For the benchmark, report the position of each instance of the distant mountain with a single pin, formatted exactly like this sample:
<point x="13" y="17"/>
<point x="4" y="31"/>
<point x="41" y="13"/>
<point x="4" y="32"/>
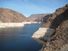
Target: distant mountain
<point x="36" y="17"/>
<point x="8" y="15"/>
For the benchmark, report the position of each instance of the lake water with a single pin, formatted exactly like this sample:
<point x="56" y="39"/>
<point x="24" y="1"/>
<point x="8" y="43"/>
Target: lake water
<point x="19" y="39"/>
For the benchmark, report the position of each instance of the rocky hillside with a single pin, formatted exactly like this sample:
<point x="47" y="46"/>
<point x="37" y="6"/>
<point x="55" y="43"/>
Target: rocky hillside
<point x="59" y="39"/>
<point x="8" y="15"/>
<point x="58" y="13"/>
<point x="36" y="17"/>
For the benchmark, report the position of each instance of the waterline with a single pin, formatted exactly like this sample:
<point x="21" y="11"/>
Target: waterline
<point x="5" y="25"/>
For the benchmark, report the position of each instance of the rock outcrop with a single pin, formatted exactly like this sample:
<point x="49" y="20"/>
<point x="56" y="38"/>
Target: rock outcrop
<point x="8" y="15"/>
<point x="59" y="39"/>
<point x="55" y="29"/>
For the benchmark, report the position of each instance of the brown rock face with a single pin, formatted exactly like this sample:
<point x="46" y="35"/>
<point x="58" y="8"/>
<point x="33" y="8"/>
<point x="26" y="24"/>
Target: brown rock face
<point x="8" y="15"/>
<point x="59" y="40"/>
<point x="56" y="18"/>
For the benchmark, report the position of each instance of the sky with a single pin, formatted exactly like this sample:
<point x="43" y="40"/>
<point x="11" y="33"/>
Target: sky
<point x="28" y="7"/>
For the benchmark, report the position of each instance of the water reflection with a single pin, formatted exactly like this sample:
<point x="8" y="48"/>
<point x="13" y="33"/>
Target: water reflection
<point x="19" y="39"/>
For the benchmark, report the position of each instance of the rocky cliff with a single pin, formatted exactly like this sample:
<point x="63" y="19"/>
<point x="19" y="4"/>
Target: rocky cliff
<point x="58" y="13"/>
<point x="8" y="15"/>
<point x="59" y="22"/>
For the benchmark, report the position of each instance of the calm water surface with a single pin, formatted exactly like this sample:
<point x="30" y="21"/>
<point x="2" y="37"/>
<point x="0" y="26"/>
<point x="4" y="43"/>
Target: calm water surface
<point x="19" y="39"/>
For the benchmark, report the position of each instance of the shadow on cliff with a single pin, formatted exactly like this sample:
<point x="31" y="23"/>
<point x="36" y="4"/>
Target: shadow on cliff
<point x="59" y="19"/>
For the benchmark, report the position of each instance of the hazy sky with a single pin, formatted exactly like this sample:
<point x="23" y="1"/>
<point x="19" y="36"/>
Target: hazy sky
<point x="28" y="7"/>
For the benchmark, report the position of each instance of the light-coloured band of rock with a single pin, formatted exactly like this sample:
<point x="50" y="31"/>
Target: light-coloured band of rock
<point x="5" y="25"/>
<point x="43" y="33"/>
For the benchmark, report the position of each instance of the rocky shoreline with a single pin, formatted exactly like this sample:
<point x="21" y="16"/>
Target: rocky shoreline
<point x="58" y="40"/>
